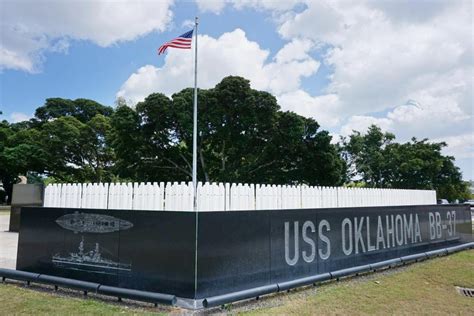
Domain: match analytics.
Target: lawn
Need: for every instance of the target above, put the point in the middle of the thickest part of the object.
(426, 288)
(18, 300)
(422, 288)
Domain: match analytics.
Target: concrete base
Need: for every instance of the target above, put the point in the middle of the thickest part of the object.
(24, 195)
(8, 244)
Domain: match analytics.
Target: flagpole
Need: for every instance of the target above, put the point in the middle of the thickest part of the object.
(195, 117)
(195, 155)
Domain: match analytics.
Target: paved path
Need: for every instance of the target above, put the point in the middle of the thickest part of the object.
(8, 244)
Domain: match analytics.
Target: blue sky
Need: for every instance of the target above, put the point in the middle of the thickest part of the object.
(404, 66)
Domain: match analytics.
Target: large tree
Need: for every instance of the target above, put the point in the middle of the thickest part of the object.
(243, 137)
(66, 140)
(365, 155)
(82, 109)
(420, 164)
(19, 153)
(378, 161)
(77, 151)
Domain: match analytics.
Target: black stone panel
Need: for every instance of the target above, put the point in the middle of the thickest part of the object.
(357, 238)
(152, 251)
(233, 251)
(39, 239)
(161, 249)
(101, 247)
(303, 259)
(236, 248)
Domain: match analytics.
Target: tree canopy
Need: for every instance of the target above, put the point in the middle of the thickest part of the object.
(244, 136)
(378, 161)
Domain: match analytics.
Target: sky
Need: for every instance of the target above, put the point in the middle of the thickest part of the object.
(406, 66)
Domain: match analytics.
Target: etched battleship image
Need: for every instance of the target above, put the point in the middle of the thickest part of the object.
(92, 223)
(91, 261)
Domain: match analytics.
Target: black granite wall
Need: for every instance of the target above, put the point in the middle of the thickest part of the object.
(236, 250)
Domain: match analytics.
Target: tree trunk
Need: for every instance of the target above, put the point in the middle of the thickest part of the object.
(203, 165)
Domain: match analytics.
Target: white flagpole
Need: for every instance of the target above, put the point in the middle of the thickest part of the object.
(195, 118)
(195, 153)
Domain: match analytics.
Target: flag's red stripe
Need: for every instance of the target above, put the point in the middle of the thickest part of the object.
(179, 46)
(180, 39)
(178, 43)
(162, 49)
(184, 40)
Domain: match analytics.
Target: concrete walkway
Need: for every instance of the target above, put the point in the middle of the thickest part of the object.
(8, 244)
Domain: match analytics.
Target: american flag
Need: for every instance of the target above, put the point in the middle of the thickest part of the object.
(183, 42)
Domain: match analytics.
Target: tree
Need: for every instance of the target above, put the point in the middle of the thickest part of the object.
(19, 153)
(379, 161)
(67, 140)
(243, 137)
(73, 138)
(420, 165)
(77, 151)
(82, 109)
(364, 155)
(7, 175)
(126, 141)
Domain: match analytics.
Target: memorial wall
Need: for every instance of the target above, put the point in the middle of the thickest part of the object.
(157, 250)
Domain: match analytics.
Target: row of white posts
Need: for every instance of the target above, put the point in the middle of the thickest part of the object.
(224, 196)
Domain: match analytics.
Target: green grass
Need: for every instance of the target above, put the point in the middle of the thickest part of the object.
(425, 288)
(17, 300)
(422, 289)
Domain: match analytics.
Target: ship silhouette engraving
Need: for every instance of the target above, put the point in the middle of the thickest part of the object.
(92, 223)
(90, 261)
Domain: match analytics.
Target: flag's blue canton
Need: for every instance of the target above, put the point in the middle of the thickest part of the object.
(187, 34)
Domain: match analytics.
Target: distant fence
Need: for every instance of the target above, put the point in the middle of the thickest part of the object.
(224, 196)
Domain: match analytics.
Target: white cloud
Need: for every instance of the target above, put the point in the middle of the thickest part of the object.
(19, 117)
(324, 108)
(216, 6)
(409, 62)
(30, 28)
(230, 54)
(380, 63)
(296, 50)
(441, 108)
(377, 63)
(460, 146)
(361, 123)
(273, 5)
(188, 24)
(410, 11)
